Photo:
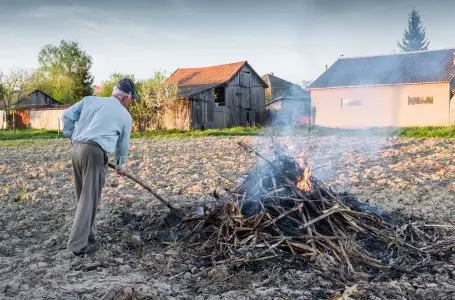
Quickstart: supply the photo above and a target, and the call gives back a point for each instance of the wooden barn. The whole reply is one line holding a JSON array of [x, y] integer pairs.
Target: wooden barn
[[217, 97]]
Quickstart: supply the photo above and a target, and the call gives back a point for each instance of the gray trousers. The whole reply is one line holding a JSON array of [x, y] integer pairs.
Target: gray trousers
[[89, 166]]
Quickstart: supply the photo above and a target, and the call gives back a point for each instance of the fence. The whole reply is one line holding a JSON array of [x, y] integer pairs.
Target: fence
[[46, 119]]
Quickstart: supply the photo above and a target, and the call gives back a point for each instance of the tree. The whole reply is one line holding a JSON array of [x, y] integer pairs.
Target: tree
[[65, 71], [414, 36], [155, 95], [13, 85]]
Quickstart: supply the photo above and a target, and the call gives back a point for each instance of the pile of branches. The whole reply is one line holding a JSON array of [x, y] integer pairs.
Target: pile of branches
[[280, 211]]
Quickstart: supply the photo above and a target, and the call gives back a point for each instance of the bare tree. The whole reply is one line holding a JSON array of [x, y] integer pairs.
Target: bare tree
[[13, 85]]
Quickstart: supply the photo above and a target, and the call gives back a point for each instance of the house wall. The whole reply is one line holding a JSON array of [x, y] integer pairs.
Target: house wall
[[382, 106]]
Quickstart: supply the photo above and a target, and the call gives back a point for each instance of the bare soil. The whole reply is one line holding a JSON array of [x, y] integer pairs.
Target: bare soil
[[415, 177]]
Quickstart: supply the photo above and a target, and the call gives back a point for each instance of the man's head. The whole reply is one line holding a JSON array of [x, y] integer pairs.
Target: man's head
[[125, 91]]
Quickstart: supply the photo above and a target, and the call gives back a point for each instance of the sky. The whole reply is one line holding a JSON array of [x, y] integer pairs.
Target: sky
[[293, 39]]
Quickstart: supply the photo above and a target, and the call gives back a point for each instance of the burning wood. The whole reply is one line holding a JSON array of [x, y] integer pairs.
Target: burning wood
[[281, 211], [303, 182]]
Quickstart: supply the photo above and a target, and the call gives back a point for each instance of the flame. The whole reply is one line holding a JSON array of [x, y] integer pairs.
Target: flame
[[303, 182]]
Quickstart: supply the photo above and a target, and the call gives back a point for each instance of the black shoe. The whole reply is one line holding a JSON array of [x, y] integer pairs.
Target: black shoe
[[89, 249], [92, 239]]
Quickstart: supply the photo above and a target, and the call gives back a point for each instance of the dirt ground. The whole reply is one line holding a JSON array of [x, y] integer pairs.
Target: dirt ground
[[415, 177]]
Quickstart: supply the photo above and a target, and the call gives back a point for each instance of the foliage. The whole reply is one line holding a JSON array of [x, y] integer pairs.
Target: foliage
[[107, 85], [13, 85], [155, 94], [64, 71], [268, 95], [414, 36]]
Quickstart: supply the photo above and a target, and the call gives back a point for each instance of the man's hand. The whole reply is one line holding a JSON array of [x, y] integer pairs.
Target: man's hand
[[121, 172]]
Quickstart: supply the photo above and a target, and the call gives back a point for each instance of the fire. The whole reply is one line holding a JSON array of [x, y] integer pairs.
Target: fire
[[303, 182]]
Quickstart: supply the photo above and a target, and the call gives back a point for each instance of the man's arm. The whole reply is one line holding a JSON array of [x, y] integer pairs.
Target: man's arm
[[123, 143], [70, 117]]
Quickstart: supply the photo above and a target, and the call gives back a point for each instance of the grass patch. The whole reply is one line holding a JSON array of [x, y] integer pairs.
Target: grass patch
[[234, 131], [27, 134], [427, 132], [27, 137]]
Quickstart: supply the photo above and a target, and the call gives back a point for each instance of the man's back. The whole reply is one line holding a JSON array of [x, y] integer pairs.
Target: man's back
[[100, 119]]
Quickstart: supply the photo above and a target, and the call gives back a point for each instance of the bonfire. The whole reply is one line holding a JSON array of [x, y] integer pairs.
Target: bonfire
[[279, 211]]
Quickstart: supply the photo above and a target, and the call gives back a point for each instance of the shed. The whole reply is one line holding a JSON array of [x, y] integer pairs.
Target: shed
[[217, 97]]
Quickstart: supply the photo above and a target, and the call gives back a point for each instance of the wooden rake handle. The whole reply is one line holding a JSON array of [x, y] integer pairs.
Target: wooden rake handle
[[147, 187]]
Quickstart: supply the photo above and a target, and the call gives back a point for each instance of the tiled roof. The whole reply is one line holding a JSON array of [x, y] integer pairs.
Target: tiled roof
[[191, 81], [407, 68]]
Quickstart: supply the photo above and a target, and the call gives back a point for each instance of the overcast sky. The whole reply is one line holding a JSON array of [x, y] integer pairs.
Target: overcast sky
[[294, 39]]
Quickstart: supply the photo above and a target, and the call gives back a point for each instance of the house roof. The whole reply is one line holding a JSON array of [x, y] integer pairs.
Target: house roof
[[292, 90], [288, 98], [406, 68], [275, 82], [191, 81], [25, 96]]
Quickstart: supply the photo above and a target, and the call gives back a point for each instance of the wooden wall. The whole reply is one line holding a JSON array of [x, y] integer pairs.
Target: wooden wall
[[177, 115]]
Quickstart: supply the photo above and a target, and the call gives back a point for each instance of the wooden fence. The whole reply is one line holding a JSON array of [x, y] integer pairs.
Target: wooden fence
[[47, 119]]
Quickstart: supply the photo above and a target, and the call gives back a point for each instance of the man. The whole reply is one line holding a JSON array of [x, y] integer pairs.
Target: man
[[96, 126]]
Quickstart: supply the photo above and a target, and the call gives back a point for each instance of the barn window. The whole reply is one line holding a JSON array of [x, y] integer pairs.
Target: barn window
[[350, 102], [220, 99], [245, 78], [420, 100]]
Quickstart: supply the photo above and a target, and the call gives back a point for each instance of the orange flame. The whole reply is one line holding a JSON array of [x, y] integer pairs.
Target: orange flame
[[304, 182]]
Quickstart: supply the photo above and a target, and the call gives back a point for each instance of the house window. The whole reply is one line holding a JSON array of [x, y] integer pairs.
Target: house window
[[220, 99], [350, 102], [420, 100], [245, 78]]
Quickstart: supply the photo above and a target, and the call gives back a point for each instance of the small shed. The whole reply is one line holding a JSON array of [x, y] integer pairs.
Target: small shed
[[290, 111], [289, 105], [18, 115], [217, 97]]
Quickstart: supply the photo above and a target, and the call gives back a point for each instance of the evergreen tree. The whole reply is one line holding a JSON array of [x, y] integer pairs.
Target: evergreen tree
[[414, 36]]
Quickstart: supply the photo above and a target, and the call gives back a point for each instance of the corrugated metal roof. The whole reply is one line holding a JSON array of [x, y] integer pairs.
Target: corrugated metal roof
[[191, 81], [407, 68]]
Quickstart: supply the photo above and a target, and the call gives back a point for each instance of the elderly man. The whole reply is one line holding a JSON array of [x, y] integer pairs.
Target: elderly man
[[96, 126]]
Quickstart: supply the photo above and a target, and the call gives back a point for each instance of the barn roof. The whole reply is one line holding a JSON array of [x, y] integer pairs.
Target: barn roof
[[406, 68], [191, 81]]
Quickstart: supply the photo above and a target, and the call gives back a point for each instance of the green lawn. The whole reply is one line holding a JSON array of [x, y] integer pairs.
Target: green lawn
[[25, 136], [234, 131], [427, 132]]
